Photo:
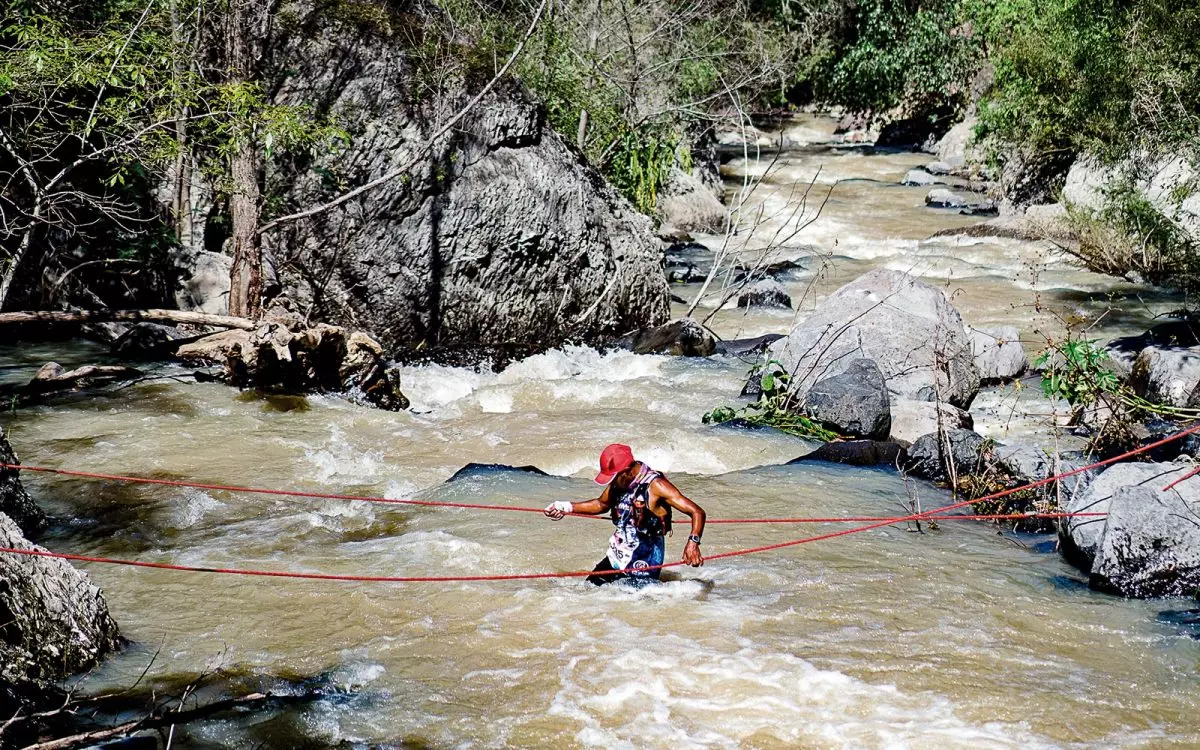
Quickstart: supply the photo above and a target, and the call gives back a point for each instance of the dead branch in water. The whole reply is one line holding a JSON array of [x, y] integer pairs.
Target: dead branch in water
[[168, 718], [81, 317]]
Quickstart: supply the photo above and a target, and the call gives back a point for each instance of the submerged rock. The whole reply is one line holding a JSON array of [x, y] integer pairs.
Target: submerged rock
[[14, 500], [474, 470], [54, 378], [920, 178], [856, 453], [765, 293], [284, 355], [999, 355], [681, 338], [854, 403], [745, 347], [910, 329]]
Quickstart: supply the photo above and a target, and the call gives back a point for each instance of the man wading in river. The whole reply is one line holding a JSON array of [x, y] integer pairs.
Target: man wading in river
[[640, 500]]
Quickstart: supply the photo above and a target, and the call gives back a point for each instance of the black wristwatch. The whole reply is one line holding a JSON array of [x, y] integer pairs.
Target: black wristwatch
[[693, 538]]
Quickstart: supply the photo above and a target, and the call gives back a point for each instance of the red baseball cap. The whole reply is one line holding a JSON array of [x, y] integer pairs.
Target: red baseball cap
[[613, 460]]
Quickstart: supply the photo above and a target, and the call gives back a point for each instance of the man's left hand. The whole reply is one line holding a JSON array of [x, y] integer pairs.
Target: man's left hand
[[692, 556]]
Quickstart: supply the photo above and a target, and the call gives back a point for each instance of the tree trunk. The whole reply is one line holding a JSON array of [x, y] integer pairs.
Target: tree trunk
[[245, 292], [14, 262], [126, 316]]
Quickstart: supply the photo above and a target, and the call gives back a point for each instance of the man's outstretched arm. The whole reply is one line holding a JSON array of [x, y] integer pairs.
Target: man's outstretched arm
[[670, 494], [594, 507]]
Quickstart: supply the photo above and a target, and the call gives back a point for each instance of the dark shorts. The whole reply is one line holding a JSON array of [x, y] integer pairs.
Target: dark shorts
[[604, 565]]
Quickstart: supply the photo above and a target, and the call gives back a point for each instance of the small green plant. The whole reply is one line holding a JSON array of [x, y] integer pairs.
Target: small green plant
[[774, 407], [1075, 372]]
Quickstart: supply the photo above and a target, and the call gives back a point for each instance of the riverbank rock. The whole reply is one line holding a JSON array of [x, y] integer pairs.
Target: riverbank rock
[[499, 233], [1167, 376], [14, 500], [856, 453], [854, 403], [1150, 546], [929, 459], [681, 338], [999, 355], [686, 204], [1082, 537], [55, 622], [911, 419], [910, 330], [284, 355], [765, 293]]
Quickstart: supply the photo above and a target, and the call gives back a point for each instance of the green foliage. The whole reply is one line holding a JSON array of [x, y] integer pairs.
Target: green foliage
[[640, 164], [1074, 372], [899, 52], [1104, 76], [774, 407]]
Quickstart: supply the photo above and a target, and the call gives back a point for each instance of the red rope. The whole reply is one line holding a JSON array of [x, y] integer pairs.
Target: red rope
[[922, 516]]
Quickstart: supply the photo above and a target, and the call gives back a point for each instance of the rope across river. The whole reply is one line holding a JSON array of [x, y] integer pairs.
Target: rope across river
[[871, 522]]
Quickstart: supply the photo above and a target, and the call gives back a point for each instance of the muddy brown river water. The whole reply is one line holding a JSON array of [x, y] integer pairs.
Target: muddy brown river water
[[955, 637]]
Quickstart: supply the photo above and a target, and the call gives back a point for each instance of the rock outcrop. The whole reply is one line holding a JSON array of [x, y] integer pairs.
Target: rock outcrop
[[53, 621], [910, 329], [14, 501], [285, 355], [686, 204], [499, 233], [1167, 375], [1148, 544], [854, 403]]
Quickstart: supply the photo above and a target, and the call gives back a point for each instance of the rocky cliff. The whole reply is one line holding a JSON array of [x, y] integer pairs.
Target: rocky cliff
[[499, 234]]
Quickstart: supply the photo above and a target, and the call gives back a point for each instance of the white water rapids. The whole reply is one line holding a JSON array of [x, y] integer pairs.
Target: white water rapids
[[955, 637]]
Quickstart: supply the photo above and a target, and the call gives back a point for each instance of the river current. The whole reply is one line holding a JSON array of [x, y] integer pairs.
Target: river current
[[959, 636]]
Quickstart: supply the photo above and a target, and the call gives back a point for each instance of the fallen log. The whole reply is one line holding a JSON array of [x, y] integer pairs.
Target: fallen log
[[81, 317]]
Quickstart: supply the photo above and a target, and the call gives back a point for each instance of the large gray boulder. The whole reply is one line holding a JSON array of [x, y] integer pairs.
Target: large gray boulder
[[499, 233], [1167, 183], [56, 623], [1150, 546], [686, 204], [999, 355], [910, 329], [1082, 537], [14, 501], [854, 403], [1167, 375]]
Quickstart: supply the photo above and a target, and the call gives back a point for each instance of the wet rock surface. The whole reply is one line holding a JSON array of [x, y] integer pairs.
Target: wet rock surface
[[1150, 545], [681, 338], [911, 419]]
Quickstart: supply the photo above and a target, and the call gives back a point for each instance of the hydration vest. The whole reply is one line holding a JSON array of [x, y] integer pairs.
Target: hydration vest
[[632, 511]]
